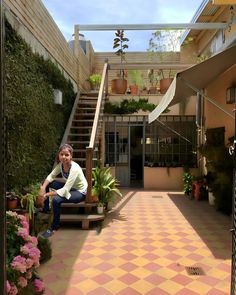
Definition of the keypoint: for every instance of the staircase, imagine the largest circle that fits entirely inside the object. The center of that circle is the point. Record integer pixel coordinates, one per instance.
(81, 127)
(78, 136)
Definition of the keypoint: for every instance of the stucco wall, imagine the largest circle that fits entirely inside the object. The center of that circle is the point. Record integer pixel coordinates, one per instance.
(170, 179)
(217, 91)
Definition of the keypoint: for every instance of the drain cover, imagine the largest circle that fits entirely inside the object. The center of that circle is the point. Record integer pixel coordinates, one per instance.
(157, 197)
(194, 271)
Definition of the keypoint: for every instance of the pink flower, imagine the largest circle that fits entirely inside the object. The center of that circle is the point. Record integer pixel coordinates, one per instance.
(22, 217)
(34, 240)
(13, 290)
(19, 263)
(34, 253)
(38, 284)
(22, 267)
(24, 249)
(22, 282)
(23, 233)
(25, 225)
(8, 287)
(29, 263)
(28, 275)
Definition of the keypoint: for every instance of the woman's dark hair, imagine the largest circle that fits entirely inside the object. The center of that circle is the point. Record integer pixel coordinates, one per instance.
(62, 147)
(66, 146)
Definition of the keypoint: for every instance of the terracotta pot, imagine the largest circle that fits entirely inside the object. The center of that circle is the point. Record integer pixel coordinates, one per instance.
(119, 85)
(143, 92)
(39, 202)
(133, 89)
(113, 86)
(12, 204)
(152, 90)
(165, 84)
(94, 198)
(196, 190)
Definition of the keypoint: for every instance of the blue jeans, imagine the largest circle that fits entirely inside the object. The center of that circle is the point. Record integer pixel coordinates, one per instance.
(76, 197)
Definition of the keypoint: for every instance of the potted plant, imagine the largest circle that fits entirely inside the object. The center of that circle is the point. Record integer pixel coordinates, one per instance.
(105, 185)
(100, 208)
(219, 166)
(12, 200)
(188, 181)
(31, 199)
(163, 45)
(153, 80)
(135, 80)
(95, 81)
(120, 43)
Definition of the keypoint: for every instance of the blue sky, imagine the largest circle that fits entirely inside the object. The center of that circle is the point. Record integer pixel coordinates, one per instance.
(67, 13)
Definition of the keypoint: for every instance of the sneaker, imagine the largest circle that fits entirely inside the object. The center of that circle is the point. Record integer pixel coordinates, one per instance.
(48, 233)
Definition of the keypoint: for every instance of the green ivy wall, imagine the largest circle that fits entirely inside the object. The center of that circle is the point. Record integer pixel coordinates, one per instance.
(35, 125)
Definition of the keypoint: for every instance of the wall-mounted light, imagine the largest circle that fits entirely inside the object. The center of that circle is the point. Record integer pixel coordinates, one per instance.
(148, 140)
(230, 95)
(57, 96)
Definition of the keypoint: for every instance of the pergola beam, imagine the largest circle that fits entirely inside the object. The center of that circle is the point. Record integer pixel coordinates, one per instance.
(143, 27)
(146, 66)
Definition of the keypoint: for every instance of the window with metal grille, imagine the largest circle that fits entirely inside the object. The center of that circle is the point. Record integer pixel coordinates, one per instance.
(171, 141)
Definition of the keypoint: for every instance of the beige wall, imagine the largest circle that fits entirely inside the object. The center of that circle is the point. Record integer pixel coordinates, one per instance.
(138, 58)
(33, 22)
(170, 179)
(217, 91)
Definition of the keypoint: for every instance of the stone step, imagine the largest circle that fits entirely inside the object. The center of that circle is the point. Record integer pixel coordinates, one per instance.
(84, 218)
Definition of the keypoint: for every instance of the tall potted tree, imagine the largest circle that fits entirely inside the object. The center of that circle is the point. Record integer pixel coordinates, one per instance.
(119, 85)
(163, 45)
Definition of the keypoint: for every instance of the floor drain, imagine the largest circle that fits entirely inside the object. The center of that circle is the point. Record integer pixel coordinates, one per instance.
(194, 271)
(157, 197)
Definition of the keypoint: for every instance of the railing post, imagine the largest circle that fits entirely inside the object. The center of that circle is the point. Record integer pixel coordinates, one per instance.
(89, 167)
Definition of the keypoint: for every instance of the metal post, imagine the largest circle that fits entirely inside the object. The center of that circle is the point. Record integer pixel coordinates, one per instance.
(2, 160)
(233, 259)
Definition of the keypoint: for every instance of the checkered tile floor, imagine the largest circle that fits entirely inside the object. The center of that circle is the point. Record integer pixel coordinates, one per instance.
(148, 245)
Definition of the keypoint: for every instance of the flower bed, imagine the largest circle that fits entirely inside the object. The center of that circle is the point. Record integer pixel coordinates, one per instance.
(22, 257)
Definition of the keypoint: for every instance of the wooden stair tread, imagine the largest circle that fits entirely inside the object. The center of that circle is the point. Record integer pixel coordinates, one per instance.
(81, 204)
(80, 217)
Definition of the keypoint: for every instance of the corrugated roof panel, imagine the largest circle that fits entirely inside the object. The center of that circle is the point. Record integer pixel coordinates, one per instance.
(210, 10)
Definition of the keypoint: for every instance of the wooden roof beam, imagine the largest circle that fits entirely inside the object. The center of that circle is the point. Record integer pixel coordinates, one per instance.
(146, 66)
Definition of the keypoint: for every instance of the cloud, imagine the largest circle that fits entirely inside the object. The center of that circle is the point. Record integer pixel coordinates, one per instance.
(68, 13)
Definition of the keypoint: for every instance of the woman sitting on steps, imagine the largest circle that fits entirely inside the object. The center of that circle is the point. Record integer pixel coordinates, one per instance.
(72, 191)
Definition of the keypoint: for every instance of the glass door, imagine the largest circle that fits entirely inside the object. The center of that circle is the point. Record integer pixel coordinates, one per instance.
(136, 152)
